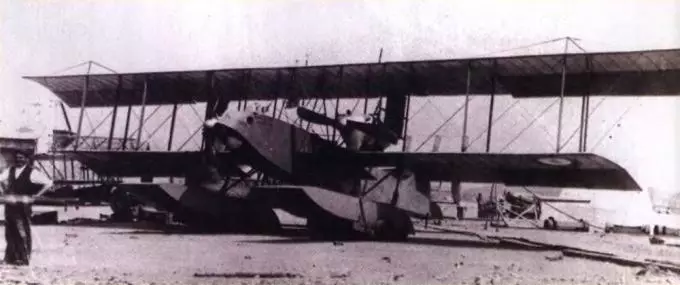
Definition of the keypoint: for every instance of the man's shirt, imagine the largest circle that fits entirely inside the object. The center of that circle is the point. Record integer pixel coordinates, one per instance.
(37, 177)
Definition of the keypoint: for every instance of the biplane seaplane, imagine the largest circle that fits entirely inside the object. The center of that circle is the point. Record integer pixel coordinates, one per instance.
(350, 184)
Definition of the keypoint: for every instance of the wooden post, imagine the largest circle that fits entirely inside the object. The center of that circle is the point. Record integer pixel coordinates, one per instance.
(83, 99)
(491, 105)
(68, 122)
(585, 110)
(172, 126)
(141, 118)
(115, 111)
(561, 107)
(210, 105)
(464, 140)
(408, 106)
(127, 126)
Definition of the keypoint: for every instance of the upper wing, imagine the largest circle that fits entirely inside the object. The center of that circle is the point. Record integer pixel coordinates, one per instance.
(580, 170)
(651, 72)
(137, 163)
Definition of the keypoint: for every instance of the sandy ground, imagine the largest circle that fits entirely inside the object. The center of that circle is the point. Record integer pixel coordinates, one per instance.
(117, 255)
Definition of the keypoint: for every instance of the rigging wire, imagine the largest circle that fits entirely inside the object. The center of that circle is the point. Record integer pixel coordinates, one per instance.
(530, 124)
(543, 127)
(568, 39)
(525, 46)
(418, 111)
(617, 123)
(71, 67)
(103, 66)
(573, 134)
(495, 121)
(440, 127)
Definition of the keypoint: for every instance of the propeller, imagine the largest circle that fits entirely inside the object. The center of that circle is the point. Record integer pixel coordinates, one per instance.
(208, 172)
(314, 117)
(216, 168)
(356, 134)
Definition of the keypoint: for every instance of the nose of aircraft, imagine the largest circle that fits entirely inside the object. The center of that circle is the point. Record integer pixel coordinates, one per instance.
(222, 133)
(210, 123)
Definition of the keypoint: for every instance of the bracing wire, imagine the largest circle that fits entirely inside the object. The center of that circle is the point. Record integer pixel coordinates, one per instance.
(529, 125)
(478, 137)
(573, 134)
(611, 129)
(440, 127)
(525, 46)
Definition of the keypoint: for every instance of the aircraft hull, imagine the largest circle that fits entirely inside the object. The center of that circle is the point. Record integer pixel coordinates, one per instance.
(337, 199)
(335, 215)
(203, 209)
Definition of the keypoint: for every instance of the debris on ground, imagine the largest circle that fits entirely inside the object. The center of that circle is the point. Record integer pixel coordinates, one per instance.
(556, 257)
(249, 275)
(650, 270)
(338, 275)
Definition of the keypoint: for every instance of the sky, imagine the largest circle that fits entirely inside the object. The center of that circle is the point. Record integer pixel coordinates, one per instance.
(46, 37)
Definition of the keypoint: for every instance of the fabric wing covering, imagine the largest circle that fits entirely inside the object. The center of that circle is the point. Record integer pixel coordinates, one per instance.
(137, 163)
(579, 170)
(634, 73)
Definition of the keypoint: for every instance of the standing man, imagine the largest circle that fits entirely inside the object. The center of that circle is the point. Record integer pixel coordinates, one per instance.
(21, 180)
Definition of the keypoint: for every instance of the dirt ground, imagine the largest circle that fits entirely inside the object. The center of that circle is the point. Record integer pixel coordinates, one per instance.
(124, 255)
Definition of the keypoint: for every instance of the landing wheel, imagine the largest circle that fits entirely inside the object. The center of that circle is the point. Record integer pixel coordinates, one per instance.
(328, 227)
(391, 231)
(550, 223)
(262, 220)
(247, 220)
(122, 206)
(396, 226)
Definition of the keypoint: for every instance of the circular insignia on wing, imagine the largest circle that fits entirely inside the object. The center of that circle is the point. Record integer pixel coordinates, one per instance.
(555, 161)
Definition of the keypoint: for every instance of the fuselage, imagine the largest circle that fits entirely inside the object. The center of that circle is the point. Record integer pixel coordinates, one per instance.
(296, 156)
(273, 146)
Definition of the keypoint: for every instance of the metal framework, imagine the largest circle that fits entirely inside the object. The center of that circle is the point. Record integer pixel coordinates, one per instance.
(481, 76)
